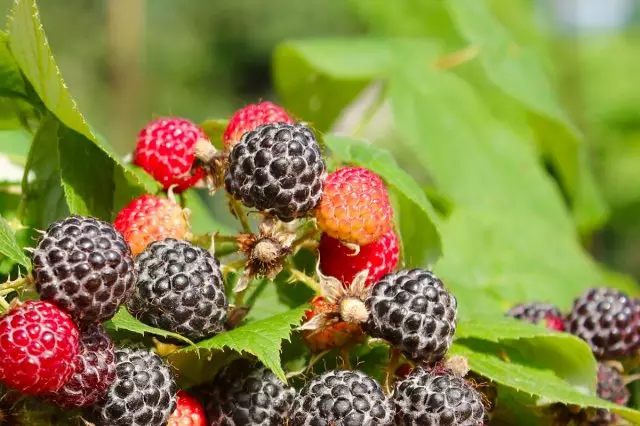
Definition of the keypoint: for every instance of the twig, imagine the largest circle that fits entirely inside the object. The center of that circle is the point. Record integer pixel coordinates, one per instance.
(390, 372)
(344, 354)
(303, 239)
(238, 212)
(298, 275)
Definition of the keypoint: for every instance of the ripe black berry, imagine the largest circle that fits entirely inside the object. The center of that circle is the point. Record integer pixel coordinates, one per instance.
(612, 388)
(430, 399)
(84, 266)
(179, 289)
(539, 313)
(608, 320)
(346, 398)
(412, 310)
(95, 370)
(143, 393)
(277, 168)
(246, 394)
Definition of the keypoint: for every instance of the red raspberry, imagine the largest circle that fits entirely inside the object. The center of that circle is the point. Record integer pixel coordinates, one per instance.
(355, 206)
(334, 336)
(339, 260)
(189, 412)
(94, 371)
(166, 150)
(150, 218)
(248, 118)
(38, 346)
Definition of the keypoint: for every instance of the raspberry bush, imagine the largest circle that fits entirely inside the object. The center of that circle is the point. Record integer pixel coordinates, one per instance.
(279, 266)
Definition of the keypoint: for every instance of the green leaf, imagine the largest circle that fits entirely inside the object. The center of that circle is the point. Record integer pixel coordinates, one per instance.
(261, 338)
(382, 162)
(11, 82)
(517, 367)
(510, 232)
(63, 157)
(43, 198)
(15, 145)
(568, 356)
(30, 48)
(202, 219)
(271, 298)
(519, 71)
(214, 129)
(86, 173)
(318, 78)
(9, 246)
(123, 320)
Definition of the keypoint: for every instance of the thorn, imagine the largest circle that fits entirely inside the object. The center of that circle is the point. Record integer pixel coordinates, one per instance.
(355, 248)
(243, 282)
(170, 194)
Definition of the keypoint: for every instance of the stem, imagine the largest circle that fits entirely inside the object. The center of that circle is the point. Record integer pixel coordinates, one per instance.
(344, 354)
(315, 358)
(226, 250)
(303, 239)
(238, 212)
(239, 299)
(390, 372)
(298, 275)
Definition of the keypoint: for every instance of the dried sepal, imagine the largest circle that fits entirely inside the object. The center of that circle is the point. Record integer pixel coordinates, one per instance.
(212, 162)
(266, 251)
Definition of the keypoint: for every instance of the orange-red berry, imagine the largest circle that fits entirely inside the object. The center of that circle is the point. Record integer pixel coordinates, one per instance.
(355, 206)
(334, 336)
(151, 218)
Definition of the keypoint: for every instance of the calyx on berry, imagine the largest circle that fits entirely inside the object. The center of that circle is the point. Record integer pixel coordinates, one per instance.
(348, 302)
(266, 251)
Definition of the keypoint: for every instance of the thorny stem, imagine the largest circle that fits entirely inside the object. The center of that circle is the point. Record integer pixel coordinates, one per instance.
(303, 239)
(315, 358)
(238, 212)
(391, 370)
(298, 275)
(239, 298)
(344, 354)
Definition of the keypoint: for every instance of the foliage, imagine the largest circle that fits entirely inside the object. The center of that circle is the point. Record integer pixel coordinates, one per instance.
(478, 113)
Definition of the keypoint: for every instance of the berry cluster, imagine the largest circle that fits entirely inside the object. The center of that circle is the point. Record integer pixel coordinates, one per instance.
(608, 320)
(149, 263)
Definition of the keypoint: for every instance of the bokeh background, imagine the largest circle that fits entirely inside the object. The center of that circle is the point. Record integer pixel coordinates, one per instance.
(127, 61)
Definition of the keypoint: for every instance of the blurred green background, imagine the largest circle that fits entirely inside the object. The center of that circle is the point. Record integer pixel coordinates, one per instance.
(127, 61)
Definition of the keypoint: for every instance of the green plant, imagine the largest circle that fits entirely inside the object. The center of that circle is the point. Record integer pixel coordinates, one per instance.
(478, 123)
